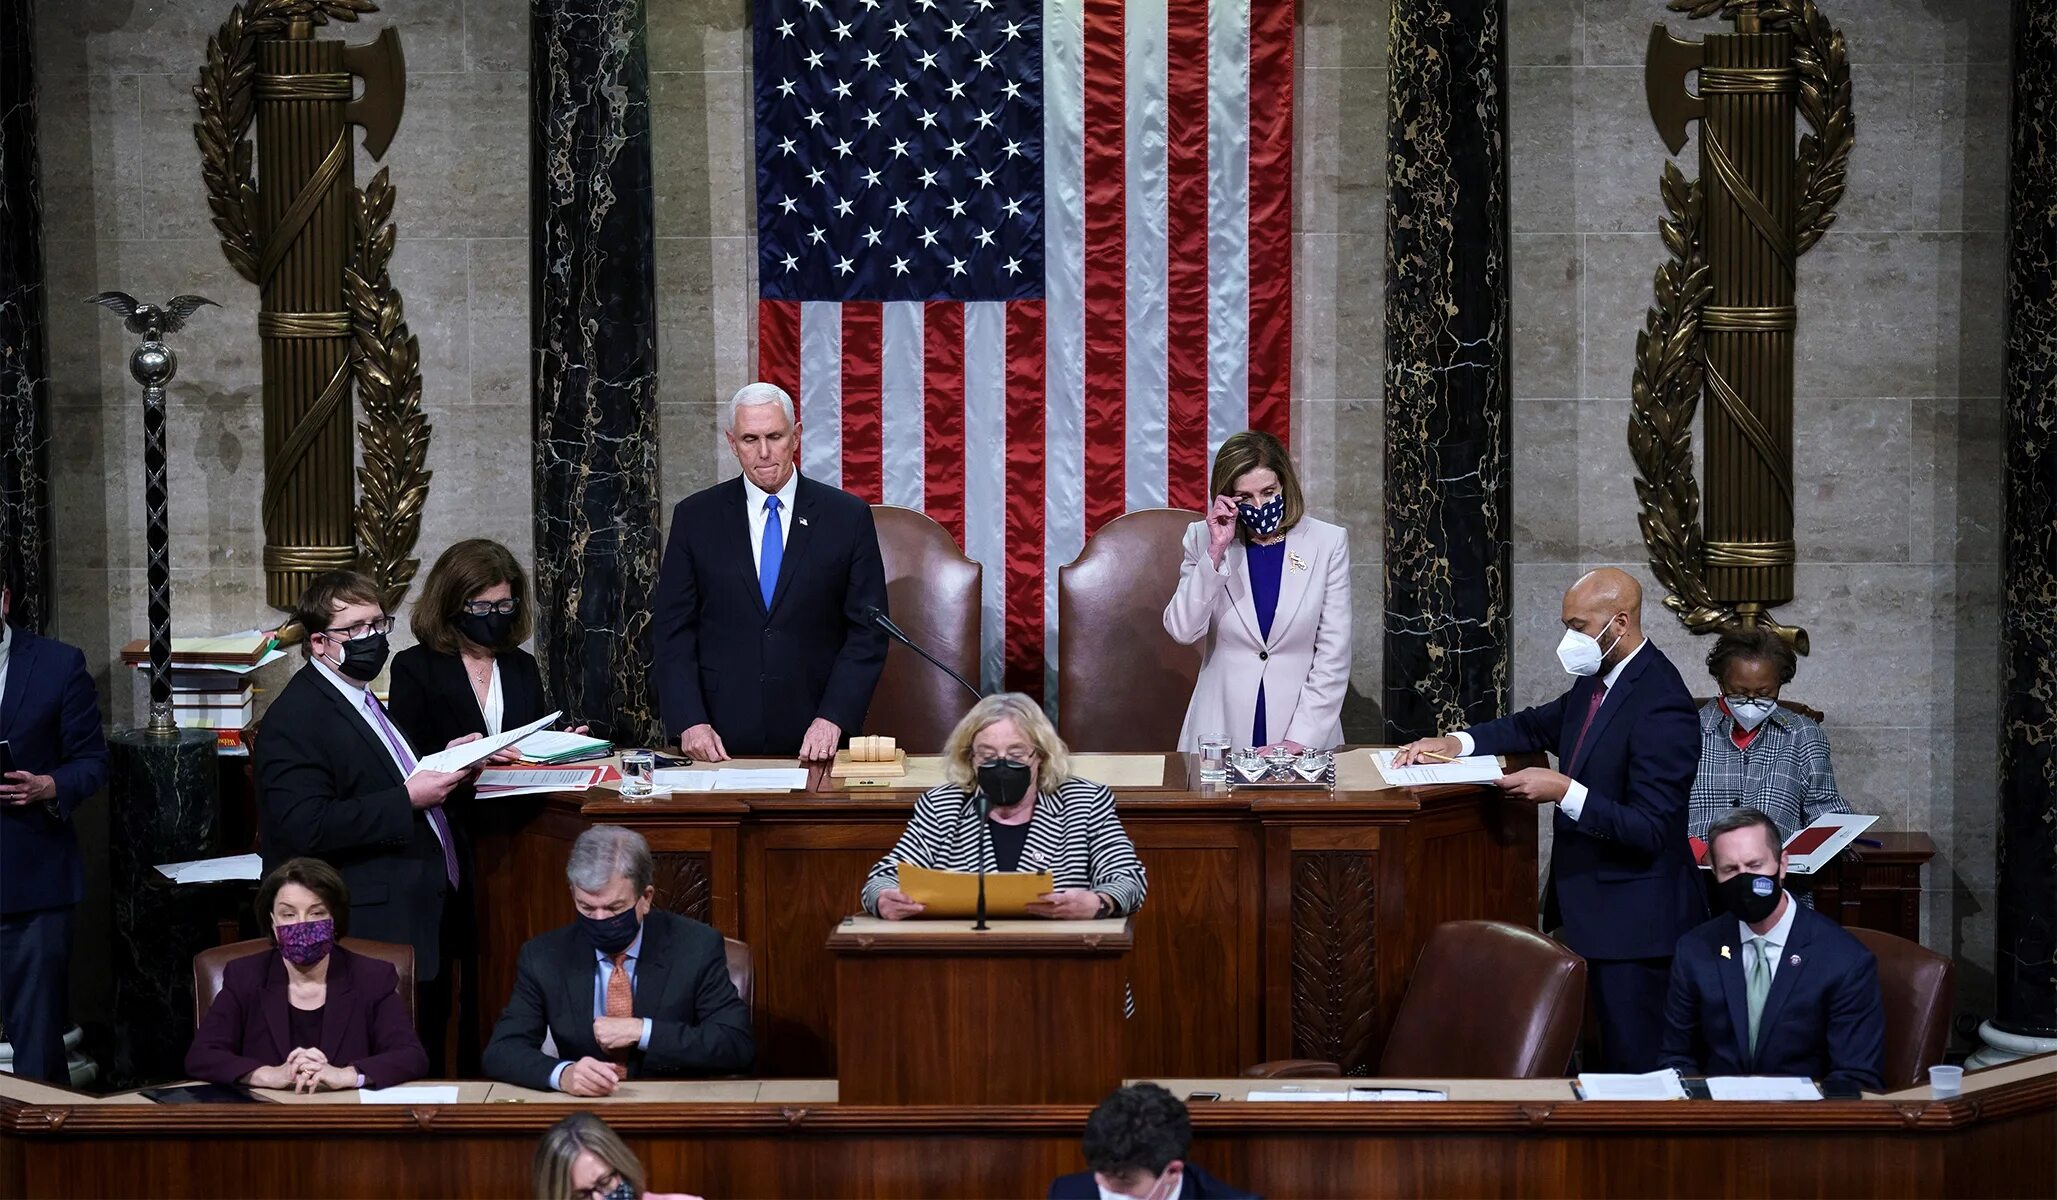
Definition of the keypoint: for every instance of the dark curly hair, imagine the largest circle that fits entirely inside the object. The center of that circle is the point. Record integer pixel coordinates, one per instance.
(1139, 1126)
(1753, 642)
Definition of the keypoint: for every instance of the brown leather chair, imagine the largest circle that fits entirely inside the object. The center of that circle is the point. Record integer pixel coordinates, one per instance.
(741, 972)
(1917, 990)
(1122, 682)
(932, 591)
(209, 964)
(1487, 1000)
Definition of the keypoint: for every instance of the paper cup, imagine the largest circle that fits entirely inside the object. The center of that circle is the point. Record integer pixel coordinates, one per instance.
(1945, 1081)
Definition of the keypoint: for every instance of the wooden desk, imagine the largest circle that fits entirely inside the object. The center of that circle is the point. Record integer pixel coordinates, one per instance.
(1491, 1138)
(1278, 924)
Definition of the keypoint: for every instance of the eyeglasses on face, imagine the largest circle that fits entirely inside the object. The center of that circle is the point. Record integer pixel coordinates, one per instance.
(1021, 754)
(363, 629)
(480, 608)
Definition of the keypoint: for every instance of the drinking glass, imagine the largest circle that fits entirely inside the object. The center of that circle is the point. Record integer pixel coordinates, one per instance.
(1213, 758)
(638, 776)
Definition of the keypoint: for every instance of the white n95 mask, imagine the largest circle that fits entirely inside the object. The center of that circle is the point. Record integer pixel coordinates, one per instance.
(1581, 653)
(1750, 713)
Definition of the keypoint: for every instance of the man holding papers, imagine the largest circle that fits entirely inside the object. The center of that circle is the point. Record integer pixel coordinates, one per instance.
(1770, 987)
(1622, 877)
(338, 782)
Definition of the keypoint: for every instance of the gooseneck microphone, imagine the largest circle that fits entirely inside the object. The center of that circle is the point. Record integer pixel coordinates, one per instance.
(877, 616)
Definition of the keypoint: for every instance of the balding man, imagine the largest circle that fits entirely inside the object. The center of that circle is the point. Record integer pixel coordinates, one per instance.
(763, 646)
(1627, 740)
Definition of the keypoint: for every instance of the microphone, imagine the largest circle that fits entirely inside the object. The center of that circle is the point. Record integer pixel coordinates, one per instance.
(984, 806)
(877, 616)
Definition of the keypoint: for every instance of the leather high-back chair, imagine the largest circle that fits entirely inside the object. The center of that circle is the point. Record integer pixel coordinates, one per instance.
(1917, 989)
(741, 972)
(209, 964)
(932, 591)
(1487, 1000)
(1122, 682)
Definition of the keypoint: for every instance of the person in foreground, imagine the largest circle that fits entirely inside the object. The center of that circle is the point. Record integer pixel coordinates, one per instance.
(1752, 751)
(1622, 877)
(626, 991)
(313, 1017)
(1136, 1145)
(580, 1158)
(763, 645)
(1265, 589)
(1042, 818)
(1770, 987)
(50, 723)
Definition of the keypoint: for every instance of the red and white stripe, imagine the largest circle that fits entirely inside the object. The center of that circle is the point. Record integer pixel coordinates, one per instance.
(1024, 426)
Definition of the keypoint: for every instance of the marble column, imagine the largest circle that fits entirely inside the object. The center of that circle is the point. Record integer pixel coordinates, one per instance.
(1448, 451)
(2026, 1018)
(24, 363)
(594, 349)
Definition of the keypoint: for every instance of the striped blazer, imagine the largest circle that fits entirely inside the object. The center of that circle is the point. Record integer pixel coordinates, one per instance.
(1073, 834)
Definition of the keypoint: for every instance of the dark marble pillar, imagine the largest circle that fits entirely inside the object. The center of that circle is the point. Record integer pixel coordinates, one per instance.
(2026, 1020)
(1448, 454)
(24, 366)
(593, 313)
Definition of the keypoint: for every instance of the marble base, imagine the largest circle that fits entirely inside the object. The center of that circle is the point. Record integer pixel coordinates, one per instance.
(82, 1069)
(1999, 1046)
(163, 799)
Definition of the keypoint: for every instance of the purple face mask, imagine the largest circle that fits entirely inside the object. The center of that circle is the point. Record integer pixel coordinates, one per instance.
(306, 943)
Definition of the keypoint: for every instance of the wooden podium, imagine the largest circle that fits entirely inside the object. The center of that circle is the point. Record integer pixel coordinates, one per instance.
(933, 1012)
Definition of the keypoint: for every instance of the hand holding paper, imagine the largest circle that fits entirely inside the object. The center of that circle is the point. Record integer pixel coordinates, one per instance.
(462, 756)
(955, 893)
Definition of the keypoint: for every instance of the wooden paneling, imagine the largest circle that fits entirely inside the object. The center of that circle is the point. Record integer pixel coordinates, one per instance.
(1196, 949)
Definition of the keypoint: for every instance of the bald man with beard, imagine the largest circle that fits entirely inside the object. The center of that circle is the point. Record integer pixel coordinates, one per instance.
(1627, 740)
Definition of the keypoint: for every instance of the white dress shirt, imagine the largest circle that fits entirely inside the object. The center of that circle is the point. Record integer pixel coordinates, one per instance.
(6, 653)
(753, 507)
(1774, 940)
(493, 707)
(1574, 801)
(1107, 1195)
(360, 703)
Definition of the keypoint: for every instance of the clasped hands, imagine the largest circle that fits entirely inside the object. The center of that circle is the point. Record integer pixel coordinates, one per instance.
(305, 1070)
(1064, 904)
(701, 744)
(594, 1077)
(1537, 785)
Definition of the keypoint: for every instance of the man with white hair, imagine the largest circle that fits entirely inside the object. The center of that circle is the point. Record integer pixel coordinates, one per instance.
(627, 991)
(763, 642)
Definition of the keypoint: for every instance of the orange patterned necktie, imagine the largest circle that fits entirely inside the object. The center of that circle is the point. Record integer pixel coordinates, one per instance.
(621, 1002)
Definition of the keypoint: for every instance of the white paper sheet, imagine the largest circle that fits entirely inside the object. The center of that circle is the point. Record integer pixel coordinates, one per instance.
(457, 758)
(440, 1094)
(560, 778)
(1298, 1097)
(1761, 1087)
(549, 743)
(683, 779)
(1476, 768)
(1396, 1094)
(760, 779)
(1654, 1085)
(213, 870)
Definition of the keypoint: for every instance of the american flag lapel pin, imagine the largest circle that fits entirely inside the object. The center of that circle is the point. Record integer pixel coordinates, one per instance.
(1724, 952)
(1795, 960)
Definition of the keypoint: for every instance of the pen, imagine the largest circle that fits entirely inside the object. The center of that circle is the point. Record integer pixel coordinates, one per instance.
(1436, 756)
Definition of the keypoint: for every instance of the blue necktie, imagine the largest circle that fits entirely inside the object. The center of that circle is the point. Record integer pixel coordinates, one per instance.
(770, 551)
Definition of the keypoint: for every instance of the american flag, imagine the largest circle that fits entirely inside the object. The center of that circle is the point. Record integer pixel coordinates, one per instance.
(1012, 266)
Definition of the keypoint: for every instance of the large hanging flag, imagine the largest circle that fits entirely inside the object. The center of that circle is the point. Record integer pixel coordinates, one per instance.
(1024, 265)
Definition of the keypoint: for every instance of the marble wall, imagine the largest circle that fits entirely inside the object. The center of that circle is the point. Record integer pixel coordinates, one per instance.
(1898, 445)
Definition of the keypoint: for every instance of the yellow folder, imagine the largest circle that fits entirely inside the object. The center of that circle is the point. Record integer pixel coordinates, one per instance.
(955, 893)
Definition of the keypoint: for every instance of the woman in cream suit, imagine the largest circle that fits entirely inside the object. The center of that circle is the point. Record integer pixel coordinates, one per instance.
(1265, 590)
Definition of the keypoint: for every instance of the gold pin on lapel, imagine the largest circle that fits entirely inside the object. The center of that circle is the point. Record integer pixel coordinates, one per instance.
(1724, 951)
(1299, 564)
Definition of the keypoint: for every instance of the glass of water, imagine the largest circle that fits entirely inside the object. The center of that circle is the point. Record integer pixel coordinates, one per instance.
(638, 776)
(1213, 758)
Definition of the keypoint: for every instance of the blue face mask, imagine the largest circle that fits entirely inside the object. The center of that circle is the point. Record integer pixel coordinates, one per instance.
(1262, 520)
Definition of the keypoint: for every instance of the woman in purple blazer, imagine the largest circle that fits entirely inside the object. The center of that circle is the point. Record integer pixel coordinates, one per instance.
(312, 1017)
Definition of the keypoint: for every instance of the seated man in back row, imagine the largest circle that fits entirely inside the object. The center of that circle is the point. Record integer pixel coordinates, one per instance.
(1771, 987)
(624, 991)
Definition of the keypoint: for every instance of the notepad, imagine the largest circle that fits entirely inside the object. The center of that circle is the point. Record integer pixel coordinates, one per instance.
(1761, 1087)
(503, 782)
(1475, 768)
(1297, 1097)
(1653, 1085)
(955, 893)
(461, 757)
(760, 779)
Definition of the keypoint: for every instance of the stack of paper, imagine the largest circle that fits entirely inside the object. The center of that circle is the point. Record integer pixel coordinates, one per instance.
(462, 756)
(214, 870)
(1477, 768)
(502, 782)
(556, 746)
(1761, 1087)
(730, 779)
(1663, 1084)
(1298, 1097)
(1396, 1094)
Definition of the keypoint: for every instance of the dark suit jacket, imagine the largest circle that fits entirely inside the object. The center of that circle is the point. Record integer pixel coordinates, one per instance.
(433, 704)
(363, 1022)
(1198, 1185)
(326, 787)
(760, 677)
(699, 1026)
(1824, 1017)
(50, 719)
(1622, 876)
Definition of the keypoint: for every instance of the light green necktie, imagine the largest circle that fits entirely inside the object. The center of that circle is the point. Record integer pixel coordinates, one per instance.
(1757, 978)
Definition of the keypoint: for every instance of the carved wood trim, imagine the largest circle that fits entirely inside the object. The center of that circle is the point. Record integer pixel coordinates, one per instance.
(1335, 977)
(684, 884)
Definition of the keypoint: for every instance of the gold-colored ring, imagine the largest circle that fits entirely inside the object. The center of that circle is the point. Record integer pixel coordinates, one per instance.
(303, 325)
(1750, 554)
(318, 85)
(1772, 318)
(309, 558)
(1740, 80)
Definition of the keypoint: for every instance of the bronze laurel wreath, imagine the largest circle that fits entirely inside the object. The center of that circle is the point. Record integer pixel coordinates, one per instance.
(1665, 391)
(385, 357)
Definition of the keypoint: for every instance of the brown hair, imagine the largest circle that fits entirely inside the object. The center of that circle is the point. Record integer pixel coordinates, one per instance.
(550, 1172)
(464, 570)
(1745, 818)
(1756, 642)
(1250, 450)
(328, 592)
(317, 877)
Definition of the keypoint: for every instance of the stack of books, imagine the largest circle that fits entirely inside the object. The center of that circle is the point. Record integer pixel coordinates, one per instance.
(211, 684)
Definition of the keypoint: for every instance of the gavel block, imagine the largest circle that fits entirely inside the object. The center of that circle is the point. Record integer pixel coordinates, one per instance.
(870, 756)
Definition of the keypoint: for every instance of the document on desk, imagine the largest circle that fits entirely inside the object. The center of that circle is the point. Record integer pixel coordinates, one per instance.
(1476, 768)
(214, 870)
(557, 745)
(760, 779)
(460, 757)
(501, 782)
(418, 1094)
(1654, 1085)
(955, 893)
(1761, 1087)
(683, 779)
(1396, 1094)
(1297, 1097)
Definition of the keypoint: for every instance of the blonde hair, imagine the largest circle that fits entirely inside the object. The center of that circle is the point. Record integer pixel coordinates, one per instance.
(550, 1173)
(1053, 768)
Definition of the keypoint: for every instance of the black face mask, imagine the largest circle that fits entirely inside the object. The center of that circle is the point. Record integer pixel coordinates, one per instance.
(489, 630)
(612, 935)
(1003, 783)
(1751, 898)
(363, 658)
